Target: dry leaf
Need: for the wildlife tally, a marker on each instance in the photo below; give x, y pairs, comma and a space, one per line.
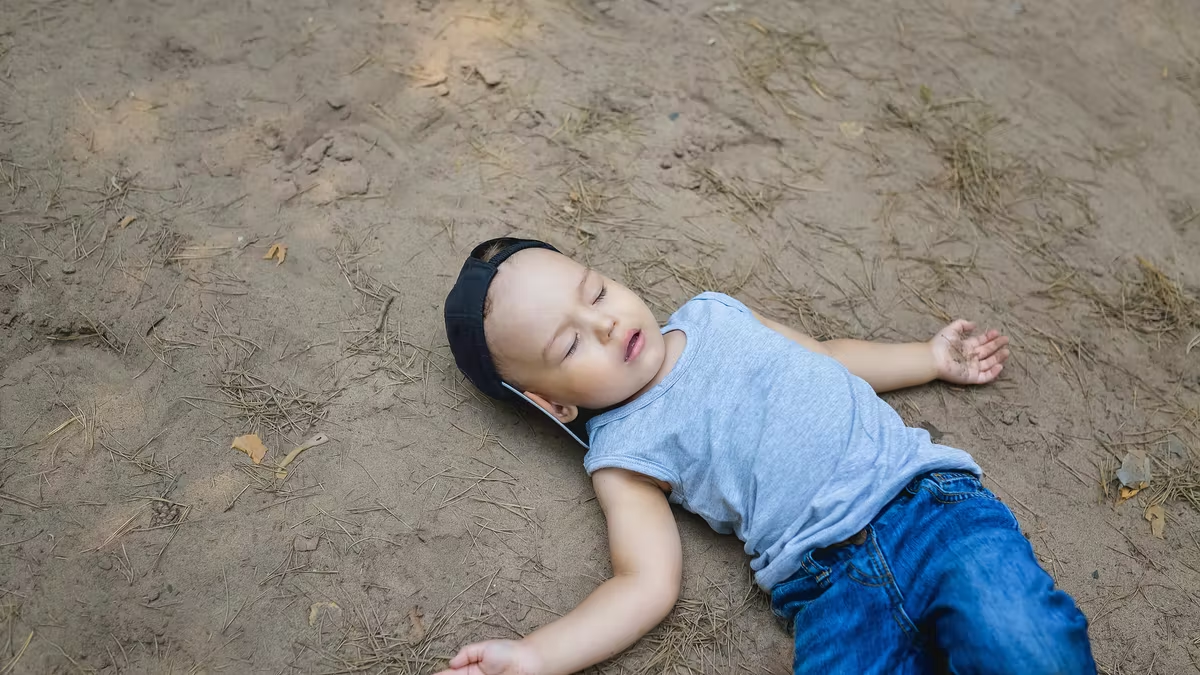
252, 445
417, 632
124, 223
277, 252
1158, 519
316, 608
851, 129
1127, 494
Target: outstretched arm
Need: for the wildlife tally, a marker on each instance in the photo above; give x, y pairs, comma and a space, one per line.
647, 566
955, 355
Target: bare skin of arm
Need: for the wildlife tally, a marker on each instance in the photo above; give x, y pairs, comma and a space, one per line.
647, 565
954, 355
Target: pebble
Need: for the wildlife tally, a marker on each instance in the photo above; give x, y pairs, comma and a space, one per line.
336, 102
679, 153
489, 75
665, 164
68, 268
441, 90
104, 564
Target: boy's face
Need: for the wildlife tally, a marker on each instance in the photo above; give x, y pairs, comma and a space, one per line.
569, 334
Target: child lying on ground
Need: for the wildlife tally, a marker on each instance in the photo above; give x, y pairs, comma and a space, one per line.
880, 548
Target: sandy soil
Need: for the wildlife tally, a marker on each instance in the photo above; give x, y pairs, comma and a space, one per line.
852, 168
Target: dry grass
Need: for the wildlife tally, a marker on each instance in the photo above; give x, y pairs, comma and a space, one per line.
992, 186
778, 62
701, 635
740, 195
369, 643
666, 284
1178, 484
1150, 302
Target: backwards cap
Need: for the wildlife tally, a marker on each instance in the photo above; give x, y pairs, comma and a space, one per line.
464, 323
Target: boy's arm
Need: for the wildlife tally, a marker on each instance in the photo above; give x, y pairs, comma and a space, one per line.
954, 355
647, 565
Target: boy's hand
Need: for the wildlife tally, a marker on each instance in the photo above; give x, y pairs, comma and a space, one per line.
495, 657
963, 358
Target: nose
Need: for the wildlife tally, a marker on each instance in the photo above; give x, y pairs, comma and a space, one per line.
603, 325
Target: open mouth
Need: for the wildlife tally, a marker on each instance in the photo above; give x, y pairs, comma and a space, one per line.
633, 345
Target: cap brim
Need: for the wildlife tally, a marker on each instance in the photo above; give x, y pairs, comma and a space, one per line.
546, 413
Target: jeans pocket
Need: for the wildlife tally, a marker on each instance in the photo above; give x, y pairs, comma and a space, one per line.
954, 486
789, 598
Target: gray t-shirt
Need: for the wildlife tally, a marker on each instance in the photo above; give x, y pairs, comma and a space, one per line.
764, 439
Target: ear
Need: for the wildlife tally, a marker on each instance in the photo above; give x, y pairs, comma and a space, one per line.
563, 413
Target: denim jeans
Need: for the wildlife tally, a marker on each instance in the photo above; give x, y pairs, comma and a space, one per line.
943, 582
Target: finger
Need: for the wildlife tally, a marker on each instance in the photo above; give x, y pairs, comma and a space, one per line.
472, 653
990, 374
963, 327
987, 348
990, 363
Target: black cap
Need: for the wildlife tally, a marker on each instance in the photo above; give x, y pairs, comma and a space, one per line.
464, 322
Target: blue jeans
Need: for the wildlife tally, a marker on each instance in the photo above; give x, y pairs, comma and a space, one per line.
942, 581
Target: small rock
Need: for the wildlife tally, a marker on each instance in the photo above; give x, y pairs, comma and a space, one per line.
153, 596
315, 152
604, 7
426, 5
1095, 574
336, 102
441, 90
665, 164
350, 178
679, 153
68, 268
104, 564
303, 543
490, 76
1135, 471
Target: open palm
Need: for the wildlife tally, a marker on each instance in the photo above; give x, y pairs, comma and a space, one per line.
962, 357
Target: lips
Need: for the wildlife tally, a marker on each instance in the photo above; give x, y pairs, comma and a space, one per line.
633, 345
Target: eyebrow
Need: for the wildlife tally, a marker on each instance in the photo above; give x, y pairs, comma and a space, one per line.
587, 273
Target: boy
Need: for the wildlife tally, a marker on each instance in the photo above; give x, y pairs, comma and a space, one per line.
880, 548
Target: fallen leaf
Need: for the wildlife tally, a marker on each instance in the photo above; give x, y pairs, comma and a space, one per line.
1158, 519
252, 445
851, 129
277, 252
315, 610
417, 632
1126, 494
124, 223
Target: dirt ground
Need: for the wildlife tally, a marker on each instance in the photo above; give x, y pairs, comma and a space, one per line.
854, 168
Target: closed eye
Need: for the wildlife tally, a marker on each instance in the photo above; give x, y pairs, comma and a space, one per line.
600, 296
574, 344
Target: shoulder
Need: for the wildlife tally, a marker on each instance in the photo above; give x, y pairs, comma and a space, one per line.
708, 304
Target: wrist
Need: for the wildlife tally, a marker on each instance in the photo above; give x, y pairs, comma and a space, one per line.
531, 658
933, 362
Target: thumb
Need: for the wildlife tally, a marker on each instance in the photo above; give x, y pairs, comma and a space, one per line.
472, 653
